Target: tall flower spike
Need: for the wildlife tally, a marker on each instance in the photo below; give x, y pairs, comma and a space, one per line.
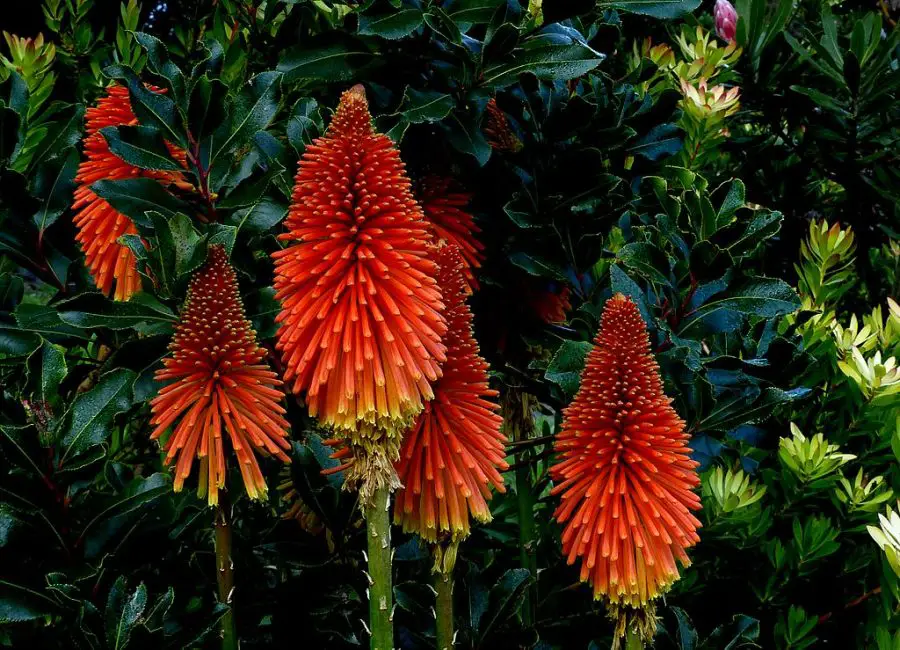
99, 224
446, 209
361, 317
221, 383
451, 456
625, 472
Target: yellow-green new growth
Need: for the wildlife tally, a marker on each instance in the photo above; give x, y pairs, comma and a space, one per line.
887, 536
885, 330
30, 58
853, 336
877, 378
825, 271
704, 57
810, 459
863, 495
732, 489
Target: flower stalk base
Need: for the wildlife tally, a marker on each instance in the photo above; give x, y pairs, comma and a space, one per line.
225, 574
378, 529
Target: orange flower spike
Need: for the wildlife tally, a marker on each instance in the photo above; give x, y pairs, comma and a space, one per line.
221, 383
447, 211
361, 318
99, 225
454, 452
624, 473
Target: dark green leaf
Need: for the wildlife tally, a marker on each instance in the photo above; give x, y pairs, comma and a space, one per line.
90, 418
261, 217
135, 197
464, 133
341, 61
122, 613
537, 266
420, 106
663, 9
189, 254
17, 343
305, 124
141, 146
54, 182
207, 107
93, 310
19, 604
151, 108
391, 25
647, 260
761, 297
252, 111
660, 141
504, 599
566, 365
546, 58
161, 65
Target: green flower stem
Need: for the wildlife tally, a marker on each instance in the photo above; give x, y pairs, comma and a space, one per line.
443, 585
378, 528
633, 640
517, 415
225, 572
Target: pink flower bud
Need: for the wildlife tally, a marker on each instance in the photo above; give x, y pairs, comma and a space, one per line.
726, 20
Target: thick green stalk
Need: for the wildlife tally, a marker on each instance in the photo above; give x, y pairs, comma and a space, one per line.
443, 607
633, 640
526, 530
225, 573
378, 527
518, 421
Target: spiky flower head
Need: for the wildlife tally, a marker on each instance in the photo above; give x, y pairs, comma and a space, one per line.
497, 130
447, 211
100, 225
361, 317
624, 472
221, 385
451, 456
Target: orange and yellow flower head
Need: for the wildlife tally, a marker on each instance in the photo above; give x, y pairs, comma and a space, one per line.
624, 472
361, 316
112, 265
447, 210
453, 454
221, 386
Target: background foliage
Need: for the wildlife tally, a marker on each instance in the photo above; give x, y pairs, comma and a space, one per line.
715, 218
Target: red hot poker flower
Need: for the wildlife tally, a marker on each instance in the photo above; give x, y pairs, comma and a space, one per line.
497, 130
625, 472
99, 224
451, 456
361, 318
551, 306
221, 383
447, 211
